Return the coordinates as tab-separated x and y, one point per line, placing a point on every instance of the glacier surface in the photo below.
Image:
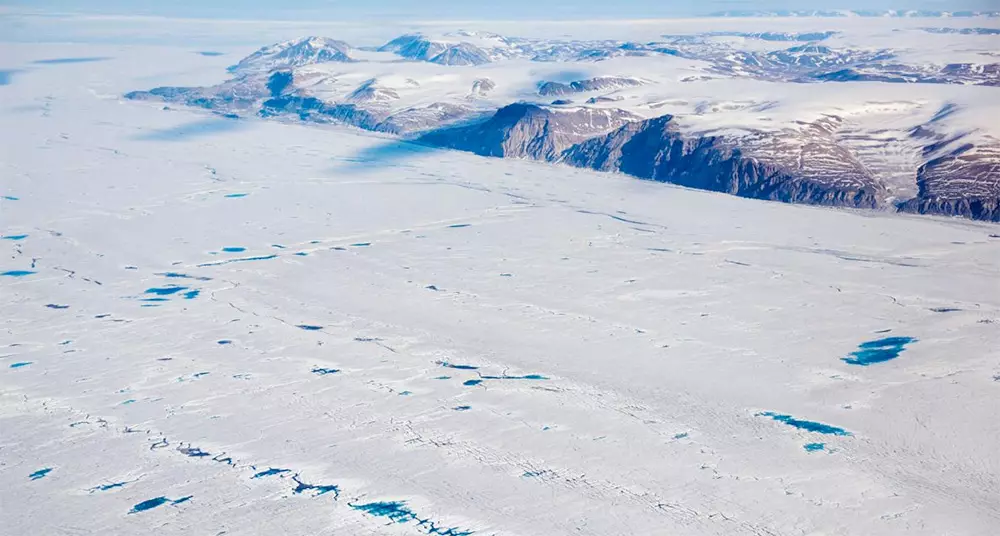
227	326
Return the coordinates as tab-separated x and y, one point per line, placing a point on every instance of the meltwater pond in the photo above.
878	351
39	474
165	291
809	426
158	501
270	472
16	273
400	512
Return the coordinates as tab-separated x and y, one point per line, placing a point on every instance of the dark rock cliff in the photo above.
652	149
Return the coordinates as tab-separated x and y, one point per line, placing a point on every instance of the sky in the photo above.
467	9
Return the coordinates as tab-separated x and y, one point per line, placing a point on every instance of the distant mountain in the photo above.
414	47
443	52
656	149
656	110
768	36
296	53
599	83
529	130
963	31
853	13
461	54
953	73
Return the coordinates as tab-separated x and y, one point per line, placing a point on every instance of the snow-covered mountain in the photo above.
295	53
459	48
897	13
599	83
735	111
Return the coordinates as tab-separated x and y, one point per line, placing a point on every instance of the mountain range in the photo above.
806	117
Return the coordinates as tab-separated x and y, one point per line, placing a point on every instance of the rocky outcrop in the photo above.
653	149
524	130
234	95
482	87
976	209
960	173
599	83
313	109
963	182
461	54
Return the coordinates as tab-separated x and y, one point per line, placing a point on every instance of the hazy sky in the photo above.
467	9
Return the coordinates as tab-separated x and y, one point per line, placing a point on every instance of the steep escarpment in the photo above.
524	130
755	166
963	182
654	149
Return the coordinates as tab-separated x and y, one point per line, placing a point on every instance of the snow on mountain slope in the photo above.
607	84
248	326
457	48
898	13
295	53
746	97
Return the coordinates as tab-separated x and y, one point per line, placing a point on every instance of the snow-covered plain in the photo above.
213	326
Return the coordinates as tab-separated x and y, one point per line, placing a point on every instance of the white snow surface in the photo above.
660	322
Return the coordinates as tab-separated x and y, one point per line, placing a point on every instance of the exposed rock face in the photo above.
960	173
953	73
653	149
313	109
600	83
240	93
423	118
372	91
414	46
963	182
462	54
528	130
481	87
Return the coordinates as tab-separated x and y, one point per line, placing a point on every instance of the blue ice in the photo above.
40	473
165	291
270	472
809	426
878	351
158	501
240	259
460	367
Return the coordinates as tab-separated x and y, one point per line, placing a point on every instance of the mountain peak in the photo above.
294	53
